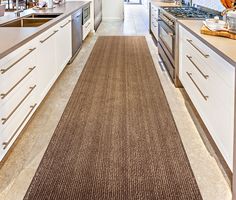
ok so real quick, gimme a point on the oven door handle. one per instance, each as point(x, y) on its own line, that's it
point(170, 34)
point(166, 29)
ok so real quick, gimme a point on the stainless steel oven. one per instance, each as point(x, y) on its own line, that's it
point(166, 42)
point(86, 13)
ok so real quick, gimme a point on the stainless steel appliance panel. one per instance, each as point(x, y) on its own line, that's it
point(167, 36)
point(86, 14)
point(97, 13)
point(76, 33)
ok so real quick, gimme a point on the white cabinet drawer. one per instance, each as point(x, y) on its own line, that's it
point(15, 76)
point(63, 48)
point(12, 83)
point(46, 59)
point(11, 132)
point(64, 22)
point(210, 93)
point(13, 63)
point(154, 10)
point(86, 29)
point(221, 67)
point(13, 107)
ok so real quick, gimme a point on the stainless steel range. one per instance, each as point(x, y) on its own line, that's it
point(168, 33)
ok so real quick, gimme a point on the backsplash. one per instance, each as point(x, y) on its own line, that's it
point(213, 4)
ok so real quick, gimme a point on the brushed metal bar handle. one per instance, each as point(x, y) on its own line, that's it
point(44, 40)
point(4, 120)
point(154, 24)
point(6, 69)
point(191, 60)
point(87, 25)
point(5, 144)
point(62, 26)
point(204, 96)
point(191, 42)
point(3, 95)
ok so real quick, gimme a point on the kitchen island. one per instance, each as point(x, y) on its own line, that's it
point(31, 60)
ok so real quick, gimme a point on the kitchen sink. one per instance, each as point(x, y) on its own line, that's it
point(43, 15)
point(33, 20)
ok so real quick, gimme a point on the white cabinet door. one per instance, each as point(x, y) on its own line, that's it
point(46, 60)
point(63, 44)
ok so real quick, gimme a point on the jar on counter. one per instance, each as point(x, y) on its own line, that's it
point(231, 20)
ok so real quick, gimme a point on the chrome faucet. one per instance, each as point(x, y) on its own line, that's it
point(18, 11)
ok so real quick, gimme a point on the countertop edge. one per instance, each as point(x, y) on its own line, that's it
point(220, 53)
point(34, 35)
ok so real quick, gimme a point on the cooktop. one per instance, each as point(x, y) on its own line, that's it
point(191, 12)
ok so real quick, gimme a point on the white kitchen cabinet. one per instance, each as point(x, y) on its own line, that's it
point(209, 81)
point(18, 89)
point(154, 21)
point(46, 59)
point(26, 75)
point(63, 44)
point(87, 28)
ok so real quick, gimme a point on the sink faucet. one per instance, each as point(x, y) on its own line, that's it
point(18, 10)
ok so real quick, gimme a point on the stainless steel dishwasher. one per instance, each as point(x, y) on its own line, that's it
point(76, 33)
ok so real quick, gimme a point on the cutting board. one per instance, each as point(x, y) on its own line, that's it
point(206, 31)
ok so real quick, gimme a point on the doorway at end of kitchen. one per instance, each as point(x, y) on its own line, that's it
point(133, 1)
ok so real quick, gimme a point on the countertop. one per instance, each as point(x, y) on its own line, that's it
point(13, 38)
point(225, 47)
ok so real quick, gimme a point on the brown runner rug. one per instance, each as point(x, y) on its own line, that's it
point(117, 139)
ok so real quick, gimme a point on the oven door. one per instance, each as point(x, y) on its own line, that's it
point(167, 39)
point(86, 14)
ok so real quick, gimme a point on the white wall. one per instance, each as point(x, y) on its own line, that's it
point(91, 11)
point(213, 4)
point(112, 10)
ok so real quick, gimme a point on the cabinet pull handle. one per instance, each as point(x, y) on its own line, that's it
point(54, 32)
point(29, 52)
point(191, 42)
point(204, 96)
point(154, 24)
point(4, 120)
point(87, 25)
point(3, 95)
point(62, 26)
point(5, 144)
point(191, 60)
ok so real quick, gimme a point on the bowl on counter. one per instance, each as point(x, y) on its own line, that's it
point(215, 24)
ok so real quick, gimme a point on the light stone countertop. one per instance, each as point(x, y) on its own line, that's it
point(12, 38)
point(225, 47)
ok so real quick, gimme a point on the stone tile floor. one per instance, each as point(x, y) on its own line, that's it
point(21, 164)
